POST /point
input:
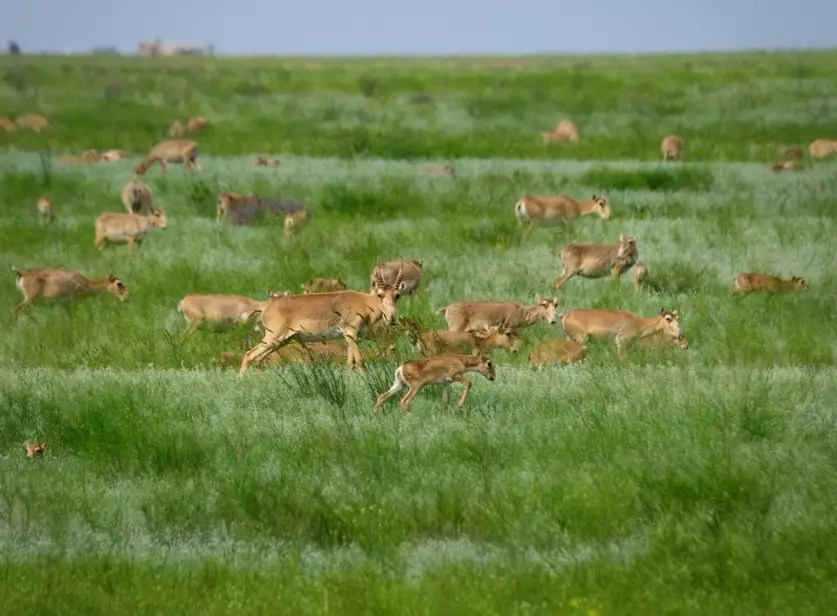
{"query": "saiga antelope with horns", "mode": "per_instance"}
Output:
(619, 326)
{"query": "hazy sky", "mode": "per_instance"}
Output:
(422, 27)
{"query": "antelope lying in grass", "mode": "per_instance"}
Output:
(45, 209)
(672, 147)
(137, 197)
(172, 151)
(320, 316)
(437, 341)
(566, 130)
(766, 283)
(410, 269)
(822, 148)
(323, 285)
(598, 260)
(35, 449)
(56, 284)
(89, 157)
(263, 161)
(618, 326)
(557, 352)
(473, 316)
(233, 203)
(640, 277)
(295, 222)
(219, 310)
(118, 228)
(33, 121)
(7, 125)
(547, 211)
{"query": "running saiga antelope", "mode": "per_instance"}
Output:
(473, 316)
(323, 285)
(320, 316)
(45, 209)
(437, 341)
(618, 326)
(672, 147)
(119, 228)
(411, 271)
(439, 370)
(598, 260)
(547, 211)
(766, 283)
(137, 197)
(172, 151)
(219, 310)
(57, 284)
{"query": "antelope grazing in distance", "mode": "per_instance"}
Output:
(35, 449)
(557, 352)
(263, 161)
(295, 222)
(7, 125)
(410, 272)
(219, 310)
(618, 326)
(437, 341)
(33, 121)
(672, 147)
(640, 277)
(543, 210)
(234, 203)
(119, 228)
(137, 197)
(439, 370)
(597, 260)
(766, 283)
(473, 316)
(566, 130)
(45, 209)
(320, 316)
(173, 151)
(56, 284)
(323, 285)
(822, 148)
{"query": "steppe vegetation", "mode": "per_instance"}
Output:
(679, 481)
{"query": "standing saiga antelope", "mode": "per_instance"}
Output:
(137, 197)
(172, 151)
(548, 210)
(320, 316)
(438, 370)
(119, 228)
(219, 310)
(598, 260)
(473, 316)
(56, 284)
(618, 326)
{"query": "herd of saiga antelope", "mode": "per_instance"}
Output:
(327, 309)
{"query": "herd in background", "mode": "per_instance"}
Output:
(299, 327)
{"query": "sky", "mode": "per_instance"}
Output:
(422, 27)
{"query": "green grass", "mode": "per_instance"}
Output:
(699, 481)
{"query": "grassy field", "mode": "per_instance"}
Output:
(693, 482)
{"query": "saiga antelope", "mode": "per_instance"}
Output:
(137, 197)
(598, 260)
(640, 277)
(566, 130)
(464, 316)
(437, 341)
(295, 221)
(35, 449)
(547, 211)
(672, 147)
(323, 285)
(411, 271)
(220, 310)
(56, 284)
(45, 209)
(619, 326)
(119, 228)
(172, 151)
(822, 148)
(766, 283)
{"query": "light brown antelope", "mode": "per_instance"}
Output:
(438, 370)
(618, 326)
(597, 260)
(118, 228)
(672, 147)
(323, 285)
(56, 284)
(640, 277)
(7, 125)
(547, 211)
(197, 124)
(45, 209)
(437, 341)
(177, 129)
(566, 130)
(788, 165)
(822, 148)
(766, 283)
(33, 121)
(110, 156)
(263, 161)
(295, 222)
(172, 151)
(219, 310)
(35, 449)
(87, 158)
(232, 203)
(557, 352)
(320, 316)
(411, 271)
(137, 197)
(473, 316)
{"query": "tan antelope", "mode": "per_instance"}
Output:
(547, 211)
(137, 197)
(172, 151)
(7, 124)
(35, 449)
(33, 121)
(437, 341)
(110, 156)
(438, 370)
(597, 260)
(88, 158)
(766, 283)
(263, 161)
(323, 285)
(640, 277)
(45, 209)
(672, 147)
(295, 222)
(57, 284)
(473, 316)
(618, 326)
(788, 165)
(822, 148)
(118, 228)
(411, 271)
(320, 316)
(177, 129)
(197, 124)
(566, 130)
(557, 352)
(231, 203)
(219, 310)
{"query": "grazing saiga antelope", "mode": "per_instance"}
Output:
(566, 130)
(323, 285)
(437, 341)
(219, 310)
(473, 316)
(766, 283)
(137, 197)
(295, 222)
(557, 352)
(619, 326)
(35, 449)
(640, 277)
(411, 271)
(33, 121)
(598, 260)
(543, 210)
(119, 228)
(439, 370)
(56, 284)
(672, 147)
(233, 203)
(822, 148)
(263, 161)
(45, 209)
(172, 151)
(320, 316)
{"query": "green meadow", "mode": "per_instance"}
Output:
(698, 481)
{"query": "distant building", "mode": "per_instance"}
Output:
(161, 48)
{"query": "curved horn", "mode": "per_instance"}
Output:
(399, 277)
(379, 280)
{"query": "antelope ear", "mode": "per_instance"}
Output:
(402, 286)
(595, 196)
(636, 238)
